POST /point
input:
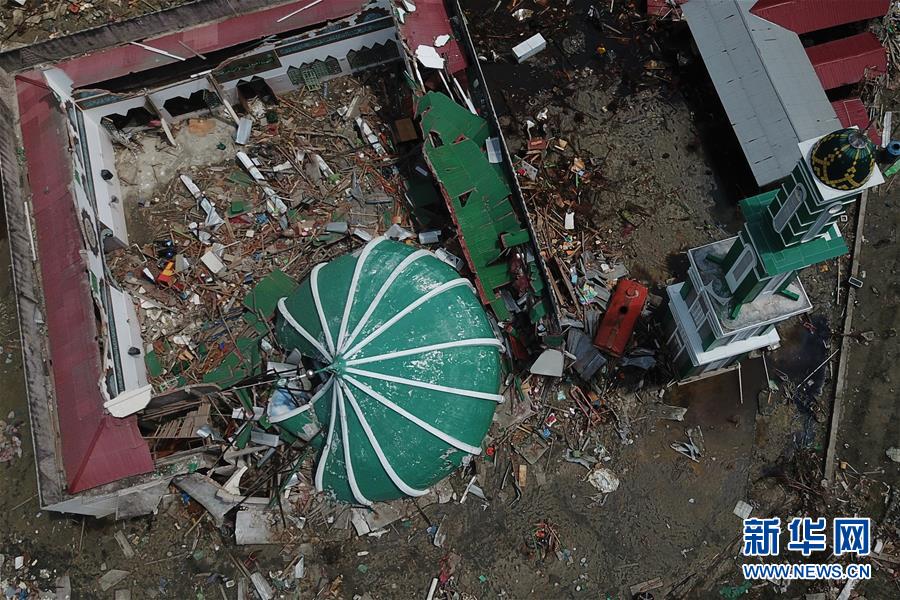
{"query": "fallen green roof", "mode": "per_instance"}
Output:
(439, 113)
(478, 191)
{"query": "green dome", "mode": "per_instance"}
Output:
(844, 159)
(411, 364)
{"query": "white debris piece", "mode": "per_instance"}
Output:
(129, 401)
(274, 205)
(893, 454)
(529, 47)
(213, 219)
(300, 568)
(395, 232)
(429, 57)
(262, 586)
(603, 479)
(212, 262)
(441, 40)
(242, 135)
(322, 165)
(743, 509)
(370, 136)
(449, 258)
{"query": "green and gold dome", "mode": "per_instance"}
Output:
(844, 159)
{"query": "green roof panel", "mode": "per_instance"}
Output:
(777, 258)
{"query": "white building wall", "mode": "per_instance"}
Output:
(690, 336)
(128, 335)
(108, 194)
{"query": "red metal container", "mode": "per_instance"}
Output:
(618, 323)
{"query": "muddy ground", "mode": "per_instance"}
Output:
(665, 153)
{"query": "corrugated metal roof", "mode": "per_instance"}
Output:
(848, 60)
(765, 82)
(801, 16)
(96, 447)
(853, 112)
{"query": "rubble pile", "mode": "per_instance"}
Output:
(225, 242)
(22, 579)
(10, 439)
(584, 265)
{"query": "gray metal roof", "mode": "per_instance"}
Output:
(765, 81)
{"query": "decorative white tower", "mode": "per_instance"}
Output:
(738, 289)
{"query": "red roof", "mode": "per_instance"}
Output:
(848, 60)
(430, 20)
(121, 60)
(622, 314)
(802, 16)
(97, 448)
(852, 112)
(659, 8)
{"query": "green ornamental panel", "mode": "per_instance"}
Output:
(411, 367)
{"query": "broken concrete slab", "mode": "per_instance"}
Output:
(124, 544)
(205, 491)
(262, 586)
(112, 578)
(258, 527)
(550, 363)
(671, 413)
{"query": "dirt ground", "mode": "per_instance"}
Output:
(661, 144)
(871, 422)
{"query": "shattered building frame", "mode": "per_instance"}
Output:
(83, 354)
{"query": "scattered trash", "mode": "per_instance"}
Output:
(693, 448)
(603, 479)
